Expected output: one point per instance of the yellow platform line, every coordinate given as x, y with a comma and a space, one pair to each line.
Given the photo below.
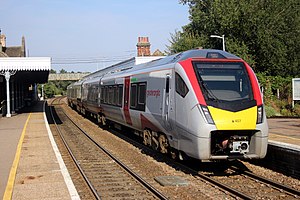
283, 136
13, 170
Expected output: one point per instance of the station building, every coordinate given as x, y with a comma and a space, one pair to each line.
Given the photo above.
19, 76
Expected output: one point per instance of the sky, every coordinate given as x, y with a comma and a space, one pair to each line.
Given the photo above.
96, 32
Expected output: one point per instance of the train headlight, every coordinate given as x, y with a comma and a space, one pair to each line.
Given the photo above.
207, 115
260, 113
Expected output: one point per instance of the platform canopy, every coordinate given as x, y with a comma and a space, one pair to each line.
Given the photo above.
21, 74
32, 69
25, 63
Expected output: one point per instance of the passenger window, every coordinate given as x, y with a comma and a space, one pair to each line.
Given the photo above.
133, 95
102, 94
142, 93
112, 95
106, 94
120, 89
138, 96
115, 96
167, 84
181, 87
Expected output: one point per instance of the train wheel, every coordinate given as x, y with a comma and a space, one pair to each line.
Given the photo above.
155, 143
174, 154
99, 119
103, 120
163, 143
147, 138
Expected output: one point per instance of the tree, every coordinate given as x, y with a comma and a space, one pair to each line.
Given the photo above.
62, 71
264, 33
181, 41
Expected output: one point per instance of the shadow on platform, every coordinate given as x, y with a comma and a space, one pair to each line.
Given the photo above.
37, 106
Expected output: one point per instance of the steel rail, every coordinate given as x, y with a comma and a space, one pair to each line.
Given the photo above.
95, 193
126, 168
222, 186
277, 185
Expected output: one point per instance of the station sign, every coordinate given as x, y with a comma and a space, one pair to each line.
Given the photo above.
296, 89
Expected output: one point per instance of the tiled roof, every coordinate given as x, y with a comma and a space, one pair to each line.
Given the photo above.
15, 51
2, 54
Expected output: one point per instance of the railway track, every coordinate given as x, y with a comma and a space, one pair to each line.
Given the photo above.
235, 182
238, 181
82, 187
252, 185
106, 176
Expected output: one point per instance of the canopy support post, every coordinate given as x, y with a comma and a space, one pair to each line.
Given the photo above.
7, 74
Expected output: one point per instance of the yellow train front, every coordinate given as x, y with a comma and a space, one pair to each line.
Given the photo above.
223, 116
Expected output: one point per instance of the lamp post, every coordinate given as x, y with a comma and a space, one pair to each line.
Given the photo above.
221, 37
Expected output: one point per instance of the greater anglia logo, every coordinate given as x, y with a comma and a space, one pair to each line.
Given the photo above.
155, 93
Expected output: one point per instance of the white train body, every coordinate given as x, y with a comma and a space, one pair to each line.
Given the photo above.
205, 104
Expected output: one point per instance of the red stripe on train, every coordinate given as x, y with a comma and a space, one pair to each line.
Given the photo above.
189, 70
126, 100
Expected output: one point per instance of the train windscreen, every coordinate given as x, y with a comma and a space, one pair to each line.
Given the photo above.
225, 83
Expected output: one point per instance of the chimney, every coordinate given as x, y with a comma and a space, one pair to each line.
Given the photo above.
23, 50
143, 46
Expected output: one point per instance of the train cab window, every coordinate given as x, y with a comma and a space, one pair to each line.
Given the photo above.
224, 81
138, 96
181, 87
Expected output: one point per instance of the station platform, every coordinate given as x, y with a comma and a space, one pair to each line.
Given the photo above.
32, 168
285, 132
31, 165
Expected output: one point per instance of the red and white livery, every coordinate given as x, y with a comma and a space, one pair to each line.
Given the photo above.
204, 104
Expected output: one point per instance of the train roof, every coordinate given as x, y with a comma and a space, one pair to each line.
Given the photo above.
122, 65
194, 53
125, 67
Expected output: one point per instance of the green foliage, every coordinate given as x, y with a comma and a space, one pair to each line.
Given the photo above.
264, 33
277, 92
62, 71
182, 41
271, 112
297, 110
53, 88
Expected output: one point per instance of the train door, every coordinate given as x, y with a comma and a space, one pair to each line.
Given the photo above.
168, 114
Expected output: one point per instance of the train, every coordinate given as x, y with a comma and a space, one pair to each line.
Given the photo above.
203, 104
